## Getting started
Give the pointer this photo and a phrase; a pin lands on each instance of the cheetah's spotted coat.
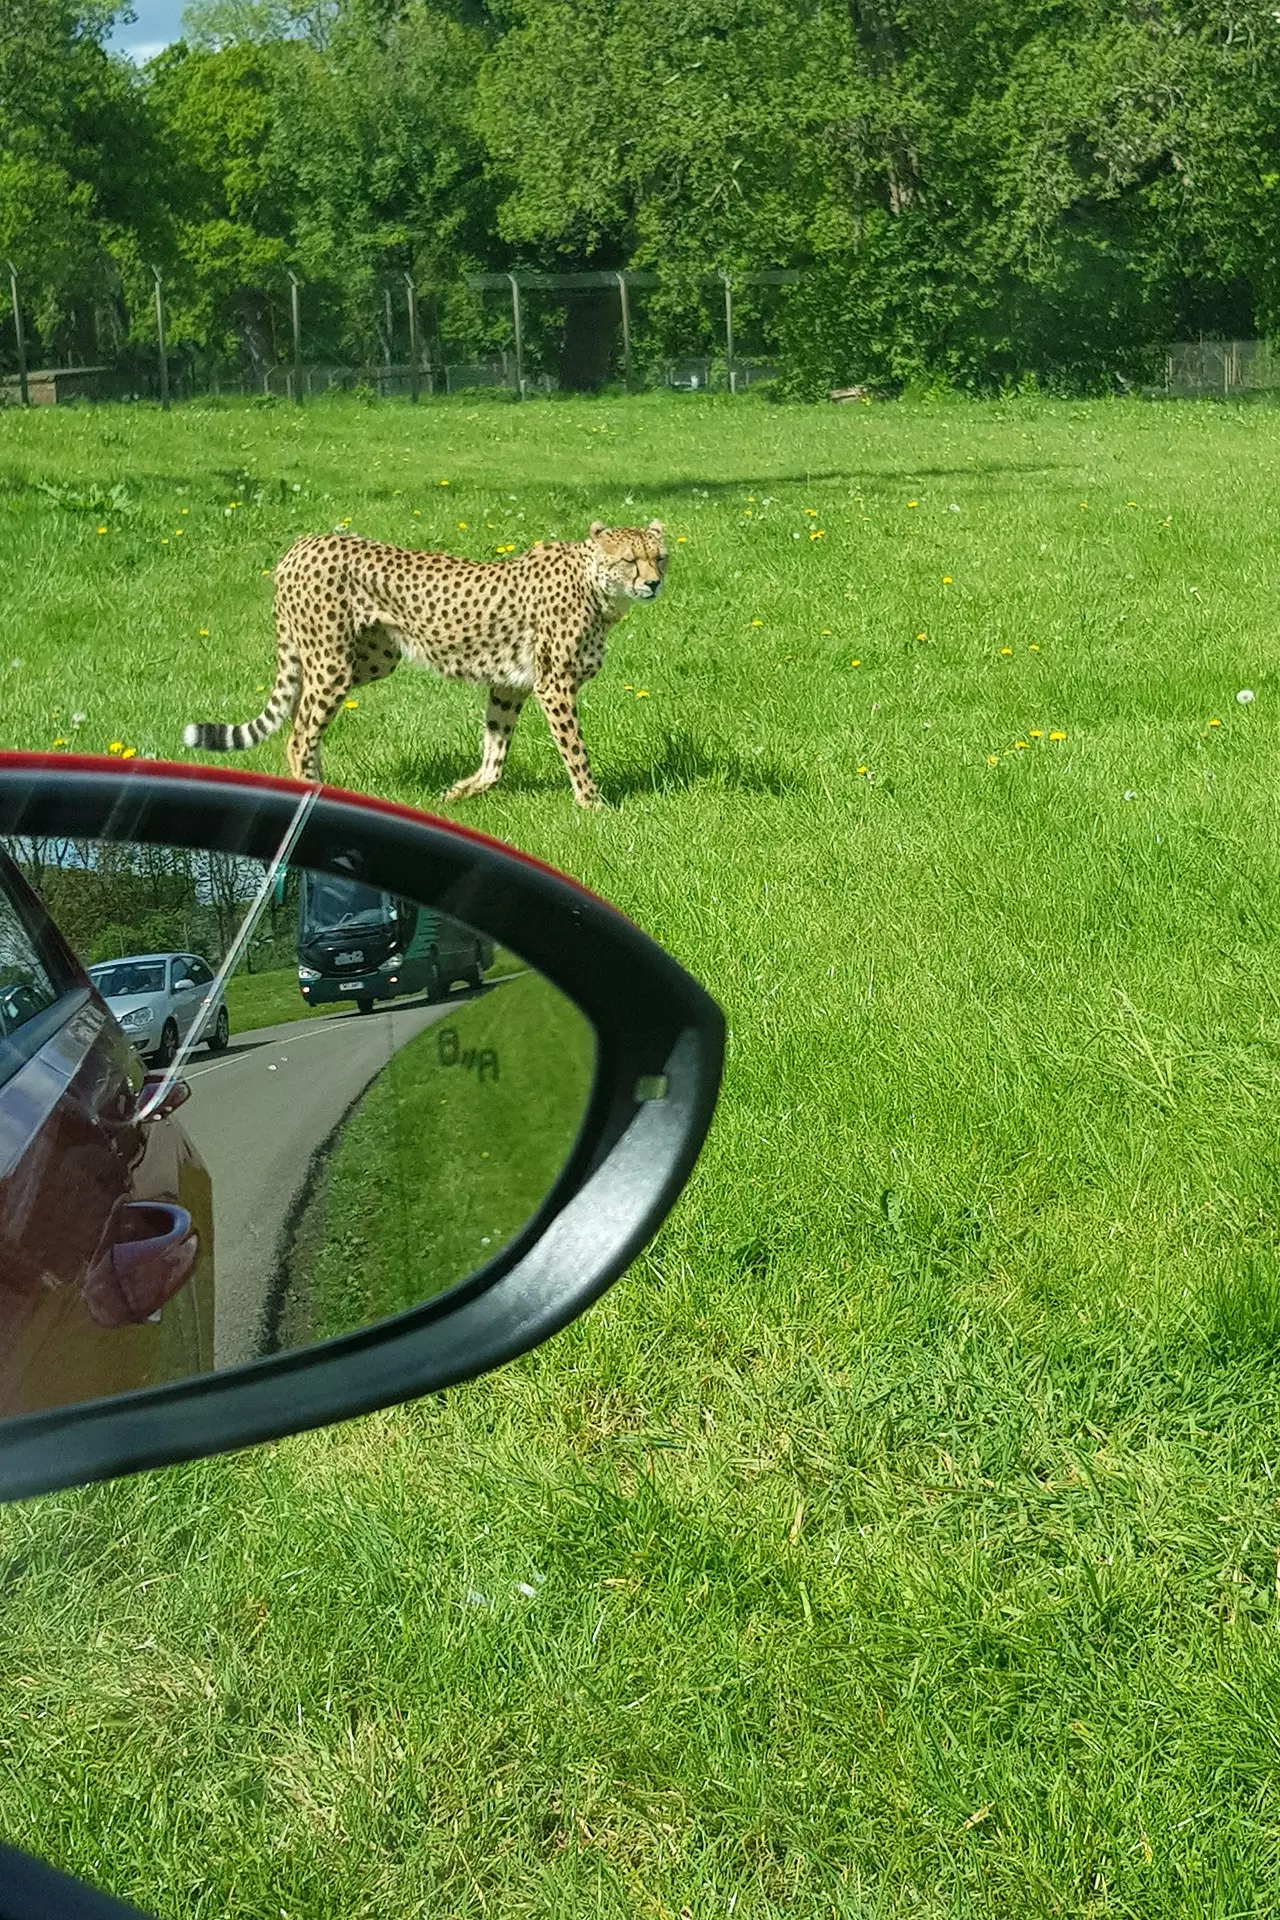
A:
(348, 610)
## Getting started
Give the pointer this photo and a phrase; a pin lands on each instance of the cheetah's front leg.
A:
(500, 719)
(555, 695)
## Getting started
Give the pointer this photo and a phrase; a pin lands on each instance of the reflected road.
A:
(257, 1115)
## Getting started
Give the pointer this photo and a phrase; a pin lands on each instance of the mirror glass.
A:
(288, 1106)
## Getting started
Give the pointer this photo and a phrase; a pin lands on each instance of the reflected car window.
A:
(26, 988)
(112, 982)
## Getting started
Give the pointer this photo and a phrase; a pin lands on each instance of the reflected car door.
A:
(184, 1000)
(203, 977)
(74, 1163)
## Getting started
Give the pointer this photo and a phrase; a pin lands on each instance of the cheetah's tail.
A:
(214, 738)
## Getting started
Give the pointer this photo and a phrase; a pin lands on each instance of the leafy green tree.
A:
(76, 161)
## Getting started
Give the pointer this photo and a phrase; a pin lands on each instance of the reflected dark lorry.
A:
(357, 944)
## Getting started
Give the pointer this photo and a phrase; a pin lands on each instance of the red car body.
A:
(106, 1218)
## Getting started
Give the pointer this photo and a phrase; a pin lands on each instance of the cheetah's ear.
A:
(597, 526)
(655, 526)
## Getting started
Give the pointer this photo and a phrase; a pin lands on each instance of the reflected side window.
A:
(26, 985)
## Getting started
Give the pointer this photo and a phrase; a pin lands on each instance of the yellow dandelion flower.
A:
(855, 663)
(1131, 503)
(179, 531)
(204, 633)
(913, 503)
(60, 742)
(826, 630)
(418, 510)
(682, 539)
(922, 636)
(129, 753)
(1036, 733)
(816, 533)
(812, 512)
(1019, 745)
(642, 693)
(116, 746)
(861, 769)
(462, 526)
(1005, 652)
(1084, 506)
(1057, 734)
(349, 704)
(186, 509)
(444, 483)
(1034, 647)
(946, 579)
(101, 529)
(993, 759)
(757, 623)
(266, 570)
(163, 541)
(1215, 723)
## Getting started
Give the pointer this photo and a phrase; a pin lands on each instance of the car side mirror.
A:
(369, 1182)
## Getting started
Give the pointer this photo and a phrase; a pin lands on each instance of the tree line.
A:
(982, 191)
(110, 899)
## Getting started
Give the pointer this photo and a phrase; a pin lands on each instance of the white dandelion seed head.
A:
(1244, 696)
(1129, 794)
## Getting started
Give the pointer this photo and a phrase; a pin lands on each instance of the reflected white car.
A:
(157, 998)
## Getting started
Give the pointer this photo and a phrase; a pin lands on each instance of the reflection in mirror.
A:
(290, 1107)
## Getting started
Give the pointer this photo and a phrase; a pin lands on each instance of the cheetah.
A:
(349, 609)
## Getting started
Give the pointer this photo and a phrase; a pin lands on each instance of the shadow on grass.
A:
(681, 764)
(868, 477)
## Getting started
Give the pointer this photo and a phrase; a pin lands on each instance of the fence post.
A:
(23, 389)
(411, 296)
(515, 316)
(728, 330)
(164, 357)
(626, 330)
(297, 337)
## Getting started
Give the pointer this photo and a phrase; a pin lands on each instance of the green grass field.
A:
(901, 1537)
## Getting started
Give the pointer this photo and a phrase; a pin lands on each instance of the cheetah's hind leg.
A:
(500, 719)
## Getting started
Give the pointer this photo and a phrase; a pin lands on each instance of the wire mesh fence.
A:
(549, 330)
(1208, 368)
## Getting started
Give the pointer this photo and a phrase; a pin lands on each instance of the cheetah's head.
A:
(630, 560)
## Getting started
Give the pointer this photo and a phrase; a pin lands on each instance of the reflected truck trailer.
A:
(355, 943)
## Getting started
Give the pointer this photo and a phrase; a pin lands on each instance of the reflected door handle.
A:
(145, 1107)
(149, 1254)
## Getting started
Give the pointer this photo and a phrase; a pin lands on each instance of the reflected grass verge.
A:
(447, 1156)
